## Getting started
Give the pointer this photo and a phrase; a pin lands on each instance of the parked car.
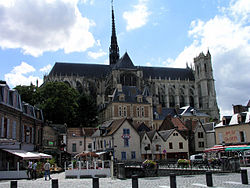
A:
(197, 159)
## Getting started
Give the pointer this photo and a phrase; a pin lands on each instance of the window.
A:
(101, 143)
(224, 122)
(74, 147)
(124, 157)
(201, 144)
(94, 145)
(80, 143)
(126, 142)
(242, 136)
(175, 134)
(124, 111)
(138, 111)
(104, 142)
(200, 135)
(239, 119)
(142, 111)
(120, 111)
(158, 147)
(126, 131)
(133, 155)
(170, 145)
(180, 145)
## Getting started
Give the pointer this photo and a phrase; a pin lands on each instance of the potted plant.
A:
(149, 167)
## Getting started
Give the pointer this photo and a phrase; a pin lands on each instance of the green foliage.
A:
(52, 161)
(61, 104)
(87, 111)
(58, 102)
(183, 162)
(149, 164)
(28, 93)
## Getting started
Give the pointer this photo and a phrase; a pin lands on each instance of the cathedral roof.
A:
(80, 69)
(124, 63)
(100, 71)
(166, 73)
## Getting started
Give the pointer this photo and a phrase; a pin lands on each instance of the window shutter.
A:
(2, 127)
(8, 128)
(23, 133)
(14, 130)
(32, 131)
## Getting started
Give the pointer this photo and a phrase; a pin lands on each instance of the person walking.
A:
(47, 170)
(34, 170)
(29, 170)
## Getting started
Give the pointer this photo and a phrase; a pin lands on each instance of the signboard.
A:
(125, 136)
(51, 143)
(164, 151)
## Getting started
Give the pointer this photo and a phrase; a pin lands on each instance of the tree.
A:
(87, 111)
(28, 93)
(58, 102)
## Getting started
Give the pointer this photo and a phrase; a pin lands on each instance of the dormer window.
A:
(224, 122)
(139, 99)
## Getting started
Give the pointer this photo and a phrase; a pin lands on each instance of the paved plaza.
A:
(230, 180)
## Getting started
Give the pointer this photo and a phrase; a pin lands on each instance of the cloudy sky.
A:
(36, 34)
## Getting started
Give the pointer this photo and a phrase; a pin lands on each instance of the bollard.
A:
(95, 182)
(172, 180)
(135, 181)
(54, 183)
(244, 177)
(209, 179)
(13, 184)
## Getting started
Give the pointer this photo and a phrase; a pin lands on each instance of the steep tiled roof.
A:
(75, 132)
(87, 70)
(124, 63)
(166, 133)
(151, 134)
(172, 73)
(172, 123)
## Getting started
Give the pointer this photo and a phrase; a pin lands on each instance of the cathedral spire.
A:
(114, 48)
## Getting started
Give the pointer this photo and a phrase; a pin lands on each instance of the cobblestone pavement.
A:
(230, 180)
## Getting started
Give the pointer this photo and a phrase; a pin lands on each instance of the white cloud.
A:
(138, 17)
(227, 37)
(40, 26)
(149, 64)
(46, 69)
(20, 75)
(96, 55)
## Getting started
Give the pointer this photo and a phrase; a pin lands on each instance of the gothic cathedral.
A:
(170, 87)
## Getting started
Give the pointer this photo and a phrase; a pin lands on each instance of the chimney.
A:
(159, 109)
(237, 109)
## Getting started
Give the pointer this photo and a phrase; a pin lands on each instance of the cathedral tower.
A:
(204, 83)
(114, 48)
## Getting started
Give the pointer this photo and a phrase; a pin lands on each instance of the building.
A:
(79, 139)
(118, 138)
(129, 101)
(184, 113)
(54, 142)
(20, 126)
(170, 87)
(234, 129)
(167, 144)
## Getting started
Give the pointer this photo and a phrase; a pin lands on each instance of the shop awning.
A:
(237, 148)
(26, 155)
(215, 148)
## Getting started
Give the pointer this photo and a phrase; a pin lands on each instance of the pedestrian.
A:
(34, 170)
(29, 170)
(47, 170)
